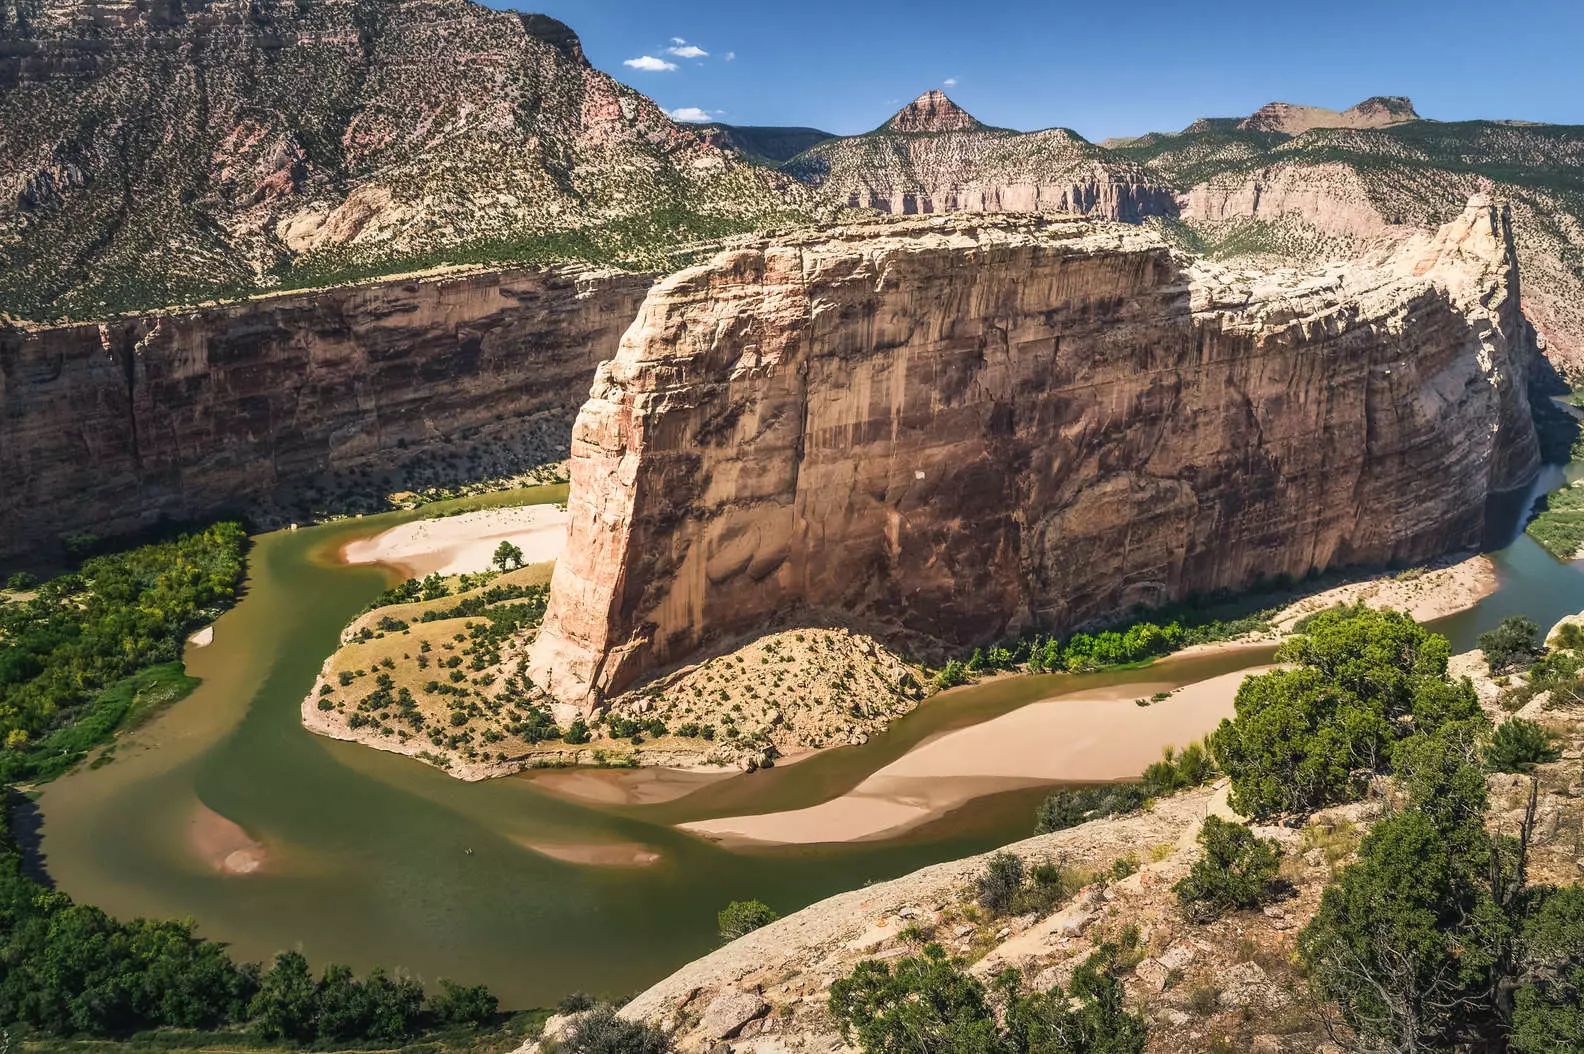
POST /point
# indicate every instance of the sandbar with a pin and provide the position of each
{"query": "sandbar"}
(619, 854)
(224, 845)
(1088, 737)
(465, 544)
(648, 786)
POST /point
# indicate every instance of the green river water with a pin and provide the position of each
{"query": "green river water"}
(378, 859)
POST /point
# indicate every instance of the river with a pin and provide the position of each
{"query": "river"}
(375, 859)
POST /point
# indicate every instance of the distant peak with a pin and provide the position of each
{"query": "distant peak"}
(1380, 111)
(933, 112)
(1393, 108)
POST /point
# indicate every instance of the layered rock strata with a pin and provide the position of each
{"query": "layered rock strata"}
(111, 427)
(959, 426)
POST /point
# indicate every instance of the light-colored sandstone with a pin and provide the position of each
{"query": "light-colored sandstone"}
(951, 428)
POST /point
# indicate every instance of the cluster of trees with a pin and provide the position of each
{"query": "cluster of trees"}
(70, 969)
(1434, 939)
(63, 650)
(1140, 641)
(84, 652)
(927, 1003)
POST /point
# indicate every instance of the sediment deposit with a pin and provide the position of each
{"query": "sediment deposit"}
(955, 427)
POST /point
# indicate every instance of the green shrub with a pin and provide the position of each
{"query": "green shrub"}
(1069, 808)
(1235, 871)
(1518, 746)
(998, 887)
(744, 916)
(1513, 645)
(927, 1004)
(463, 1004)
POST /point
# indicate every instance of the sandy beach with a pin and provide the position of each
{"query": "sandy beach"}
(224, 845)
(1441, 589)
(1085, 737)
(455, 545)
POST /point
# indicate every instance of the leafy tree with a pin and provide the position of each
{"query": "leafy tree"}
(1548, 1011)
(1512, 645)
(286, 1003)
(744, 916)
(507, 556)
(1518, 745)
(395, 1006)
(342, 1009)
(1309, 736)
(578, 733)
(998, 887)
(463, 1004)
(1236, 870)
(603, 1031)
(1408, 940)
(21, 580)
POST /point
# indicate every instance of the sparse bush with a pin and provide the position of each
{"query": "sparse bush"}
(604, 1031)
(998, 887)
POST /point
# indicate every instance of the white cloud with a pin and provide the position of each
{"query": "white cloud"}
(731, 56)
(650, 63)
(678, 41)
(690, 115)
(950, 82)
(689, 51)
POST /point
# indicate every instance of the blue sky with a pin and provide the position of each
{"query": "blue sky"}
(1101, 68)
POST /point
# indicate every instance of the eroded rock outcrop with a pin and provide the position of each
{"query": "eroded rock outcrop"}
(110, 427)
(954, 427)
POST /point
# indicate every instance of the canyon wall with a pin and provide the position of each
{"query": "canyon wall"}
(111, 427)
(958, 426)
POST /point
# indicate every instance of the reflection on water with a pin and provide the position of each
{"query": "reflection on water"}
(373, 858)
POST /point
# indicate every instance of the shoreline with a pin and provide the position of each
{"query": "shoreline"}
(465, 543)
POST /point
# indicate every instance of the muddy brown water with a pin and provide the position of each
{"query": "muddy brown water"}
(371, 858)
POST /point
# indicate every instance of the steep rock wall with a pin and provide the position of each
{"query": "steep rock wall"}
(953, 427)
(111, 427)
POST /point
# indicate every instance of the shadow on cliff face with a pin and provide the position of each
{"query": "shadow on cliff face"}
(1558, 431)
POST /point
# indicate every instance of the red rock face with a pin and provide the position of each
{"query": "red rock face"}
(955, 427)
(108, 428)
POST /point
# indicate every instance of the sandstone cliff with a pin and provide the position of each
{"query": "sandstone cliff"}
(111, 427)
(954, 427)
(1328, 192)
(932, 156)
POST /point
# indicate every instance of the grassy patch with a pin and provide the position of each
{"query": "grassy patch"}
(1559, 527)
